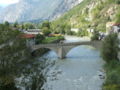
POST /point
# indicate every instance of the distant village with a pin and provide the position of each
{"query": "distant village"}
(111, 27)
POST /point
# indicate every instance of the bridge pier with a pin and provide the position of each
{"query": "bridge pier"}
(61, 53)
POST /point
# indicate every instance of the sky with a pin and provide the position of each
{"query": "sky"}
(7, 2)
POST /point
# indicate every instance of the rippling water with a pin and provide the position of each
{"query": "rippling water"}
(79, 71)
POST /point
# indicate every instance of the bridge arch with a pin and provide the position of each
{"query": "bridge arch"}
(70, 48)
(56, 50)
(62, 49)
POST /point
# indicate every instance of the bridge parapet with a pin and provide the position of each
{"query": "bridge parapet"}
(63, 48)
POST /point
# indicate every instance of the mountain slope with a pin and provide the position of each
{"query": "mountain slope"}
(28, 10)
(90, 14)
(1, 9)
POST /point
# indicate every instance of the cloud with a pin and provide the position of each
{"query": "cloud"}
(7, 2)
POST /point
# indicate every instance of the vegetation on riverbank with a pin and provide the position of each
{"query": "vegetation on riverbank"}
(12, 56)
(53, 39)
(15, 56)
(112, 76)
(112, 67)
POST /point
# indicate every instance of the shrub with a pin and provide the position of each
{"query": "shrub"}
(46, 31)
(39, 38)
(110, 47)
(95, 36)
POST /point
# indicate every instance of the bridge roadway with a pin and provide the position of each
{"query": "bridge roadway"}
(63, 48)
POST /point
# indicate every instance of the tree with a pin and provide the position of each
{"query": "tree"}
(118, 17)
(46, 24)
(15, 24)
(95, 36)
(6, 23)
(110, 47)
(29, 26)
(46, 31)
(12, 55)
(39, 38)
(117, 1)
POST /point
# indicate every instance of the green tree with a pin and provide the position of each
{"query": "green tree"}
(15, 24)
(46, 24)
(117, 1)
(95, 36)
(110, 47)
(6, 23)
(12, 55)
(46, 31)
(39, 38)
(118, 17)
(29, 26)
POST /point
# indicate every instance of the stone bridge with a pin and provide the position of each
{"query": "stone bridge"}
(63, 48)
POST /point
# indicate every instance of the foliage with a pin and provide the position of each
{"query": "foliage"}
(117, 1)
(95, 36)
(82, 33)
(88, 14)
(110, 47)
(11, 56)
(45, 24)
(39, 38)
(15, 24)
(113, 76)
(53, 39)
(28, 26)
(6, 23)
(46, 31)
(118, 17)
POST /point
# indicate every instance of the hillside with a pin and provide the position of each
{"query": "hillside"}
(32, 10)
(90, 14)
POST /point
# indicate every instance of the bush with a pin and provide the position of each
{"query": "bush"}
(95, 36)
(112, 87)
(113, 76)
(46, 31)
(117, 1)
(110, 47)
(39, 38)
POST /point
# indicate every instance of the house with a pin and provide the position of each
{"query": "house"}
(116, 27)
(90, 30)
(30, 39)
(33, 31)
(76, 30)
(112, 27)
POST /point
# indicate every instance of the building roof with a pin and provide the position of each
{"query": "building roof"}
(34, 30)
(116, 24)
(27, 36)
(109, 24)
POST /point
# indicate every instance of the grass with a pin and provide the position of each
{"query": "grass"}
(113, 76)
(52, 39)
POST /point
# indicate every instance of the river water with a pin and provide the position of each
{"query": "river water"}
(80, 69)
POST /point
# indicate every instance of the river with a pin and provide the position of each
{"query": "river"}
(80, 69)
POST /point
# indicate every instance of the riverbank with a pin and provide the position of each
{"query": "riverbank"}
(109, 52)
(112, 76)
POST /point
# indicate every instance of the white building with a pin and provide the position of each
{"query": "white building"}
(76, 30)
(116, 28)
(32, 31)
(112, 27)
